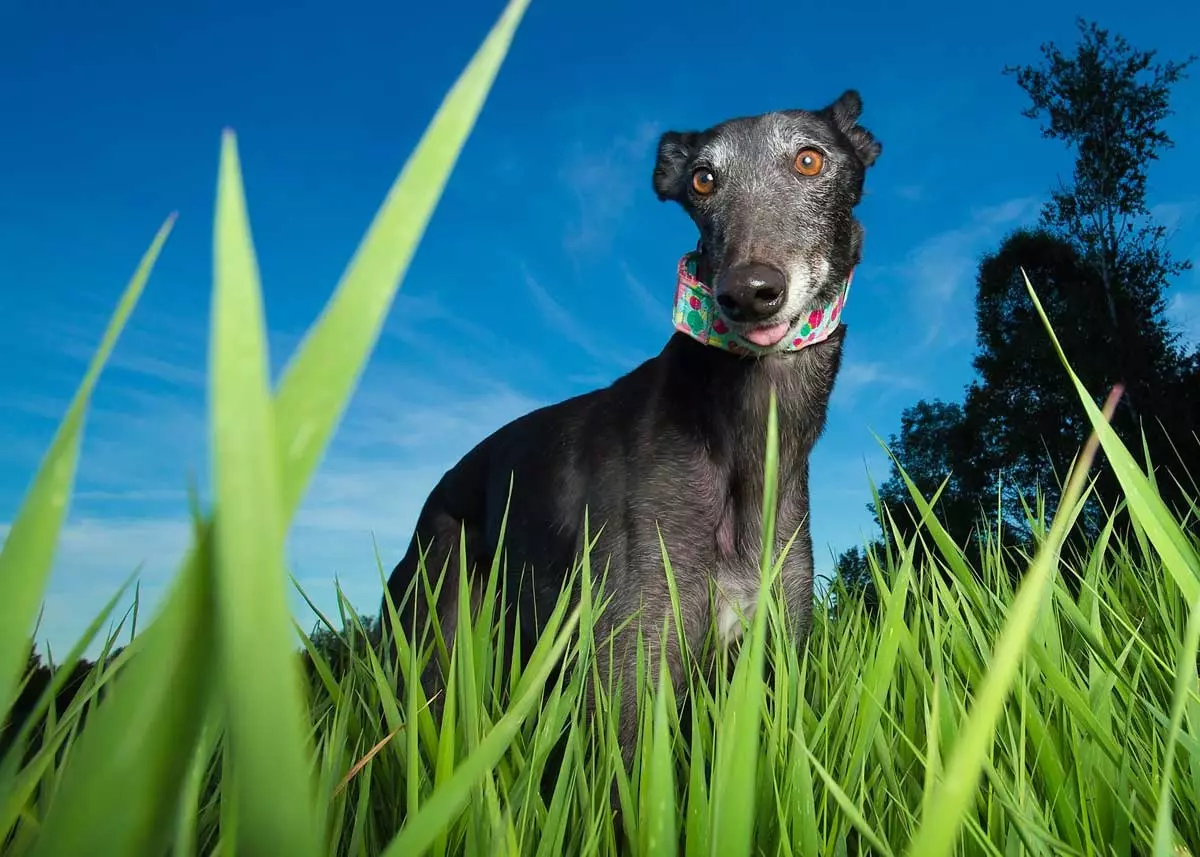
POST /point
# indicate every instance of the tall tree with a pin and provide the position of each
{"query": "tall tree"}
(1107, 102)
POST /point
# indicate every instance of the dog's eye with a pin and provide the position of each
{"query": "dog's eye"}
(809, 162)
(703, 181)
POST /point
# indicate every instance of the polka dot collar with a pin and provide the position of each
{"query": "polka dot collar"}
(696, 314)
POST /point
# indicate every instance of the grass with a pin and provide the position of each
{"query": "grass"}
(962, 715)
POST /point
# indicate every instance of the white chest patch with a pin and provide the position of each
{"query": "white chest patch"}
(735, 605)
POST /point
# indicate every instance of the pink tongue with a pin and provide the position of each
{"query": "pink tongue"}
(765, 337)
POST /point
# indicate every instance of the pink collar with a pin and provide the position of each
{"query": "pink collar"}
(696, 314)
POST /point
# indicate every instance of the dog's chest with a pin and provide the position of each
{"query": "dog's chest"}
(723, 501)
(735, 597)
(736, 546)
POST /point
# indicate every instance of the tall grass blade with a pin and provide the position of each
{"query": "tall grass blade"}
(28, 551)
(264, 706)
(127, 770)
(420, 831)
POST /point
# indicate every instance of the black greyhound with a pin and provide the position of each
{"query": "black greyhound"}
(678, 444)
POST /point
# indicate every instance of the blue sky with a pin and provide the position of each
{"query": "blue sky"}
(548, 268)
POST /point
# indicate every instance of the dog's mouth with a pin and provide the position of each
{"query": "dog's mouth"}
(767, 336)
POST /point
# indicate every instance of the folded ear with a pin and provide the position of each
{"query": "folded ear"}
(675, 150)
(845, 112)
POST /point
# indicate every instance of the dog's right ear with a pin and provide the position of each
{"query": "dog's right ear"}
(845, 112)
(675, 149)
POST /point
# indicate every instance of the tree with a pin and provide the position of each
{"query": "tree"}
(936, 444)
(853, 581)
(339, 651)
(1107, 102)
(1024, 408)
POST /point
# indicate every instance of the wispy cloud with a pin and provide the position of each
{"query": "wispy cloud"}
(1175, 215)
(605, 180)
(942, 268)
(567, 324)
(857, 376)
(655, 308)
(1183, 311)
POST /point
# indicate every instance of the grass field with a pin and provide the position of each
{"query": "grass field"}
(962, 716)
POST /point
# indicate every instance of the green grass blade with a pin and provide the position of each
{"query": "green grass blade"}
(1185, 692)
(1179, 556)
(28, 552)
(16, 791)
(658, 824)
(121, 788)
(421, 830)
(264, 705)
(740, 731)
(847, 806)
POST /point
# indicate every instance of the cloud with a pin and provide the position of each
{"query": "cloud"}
(656, 310)
(567, 325)
(1175, 215)
(941, 269)
(368, 491)
(605, 181)
(1183, 311)
(856, 376)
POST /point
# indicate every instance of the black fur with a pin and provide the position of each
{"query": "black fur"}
(678, 444)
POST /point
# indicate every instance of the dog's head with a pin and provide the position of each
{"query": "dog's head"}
(773, 196)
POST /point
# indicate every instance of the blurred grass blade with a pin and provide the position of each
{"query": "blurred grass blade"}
(28, 552)
(110, 800)
(321, 375)
(120, 790)
(115, 802)
(264, 705)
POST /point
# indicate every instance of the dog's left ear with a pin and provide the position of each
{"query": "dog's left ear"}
(845, 112)
(675, 149)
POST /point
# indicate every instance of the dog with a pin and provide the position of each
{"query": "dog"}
(678, 444)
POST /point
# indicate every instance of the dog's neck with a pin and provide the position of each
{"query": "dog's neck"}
(725, 395)
(696, 314)
(721, 402)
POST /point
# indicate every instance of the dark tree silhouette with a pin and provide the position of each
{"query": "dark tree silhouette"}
(1107, 102)
(1026, 411)
(936, 444)
(338, 651)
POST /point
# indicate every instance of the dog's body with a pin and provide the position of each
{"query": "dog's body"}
(677, 445)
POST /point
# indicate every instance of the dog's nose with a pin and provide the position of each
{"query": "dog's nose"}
(751, 292)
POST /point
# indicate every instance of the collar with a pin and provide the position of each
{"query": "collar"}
(696, 314)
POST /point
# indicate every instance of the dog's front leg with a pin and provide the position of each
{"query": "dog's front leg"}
(617, 660)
